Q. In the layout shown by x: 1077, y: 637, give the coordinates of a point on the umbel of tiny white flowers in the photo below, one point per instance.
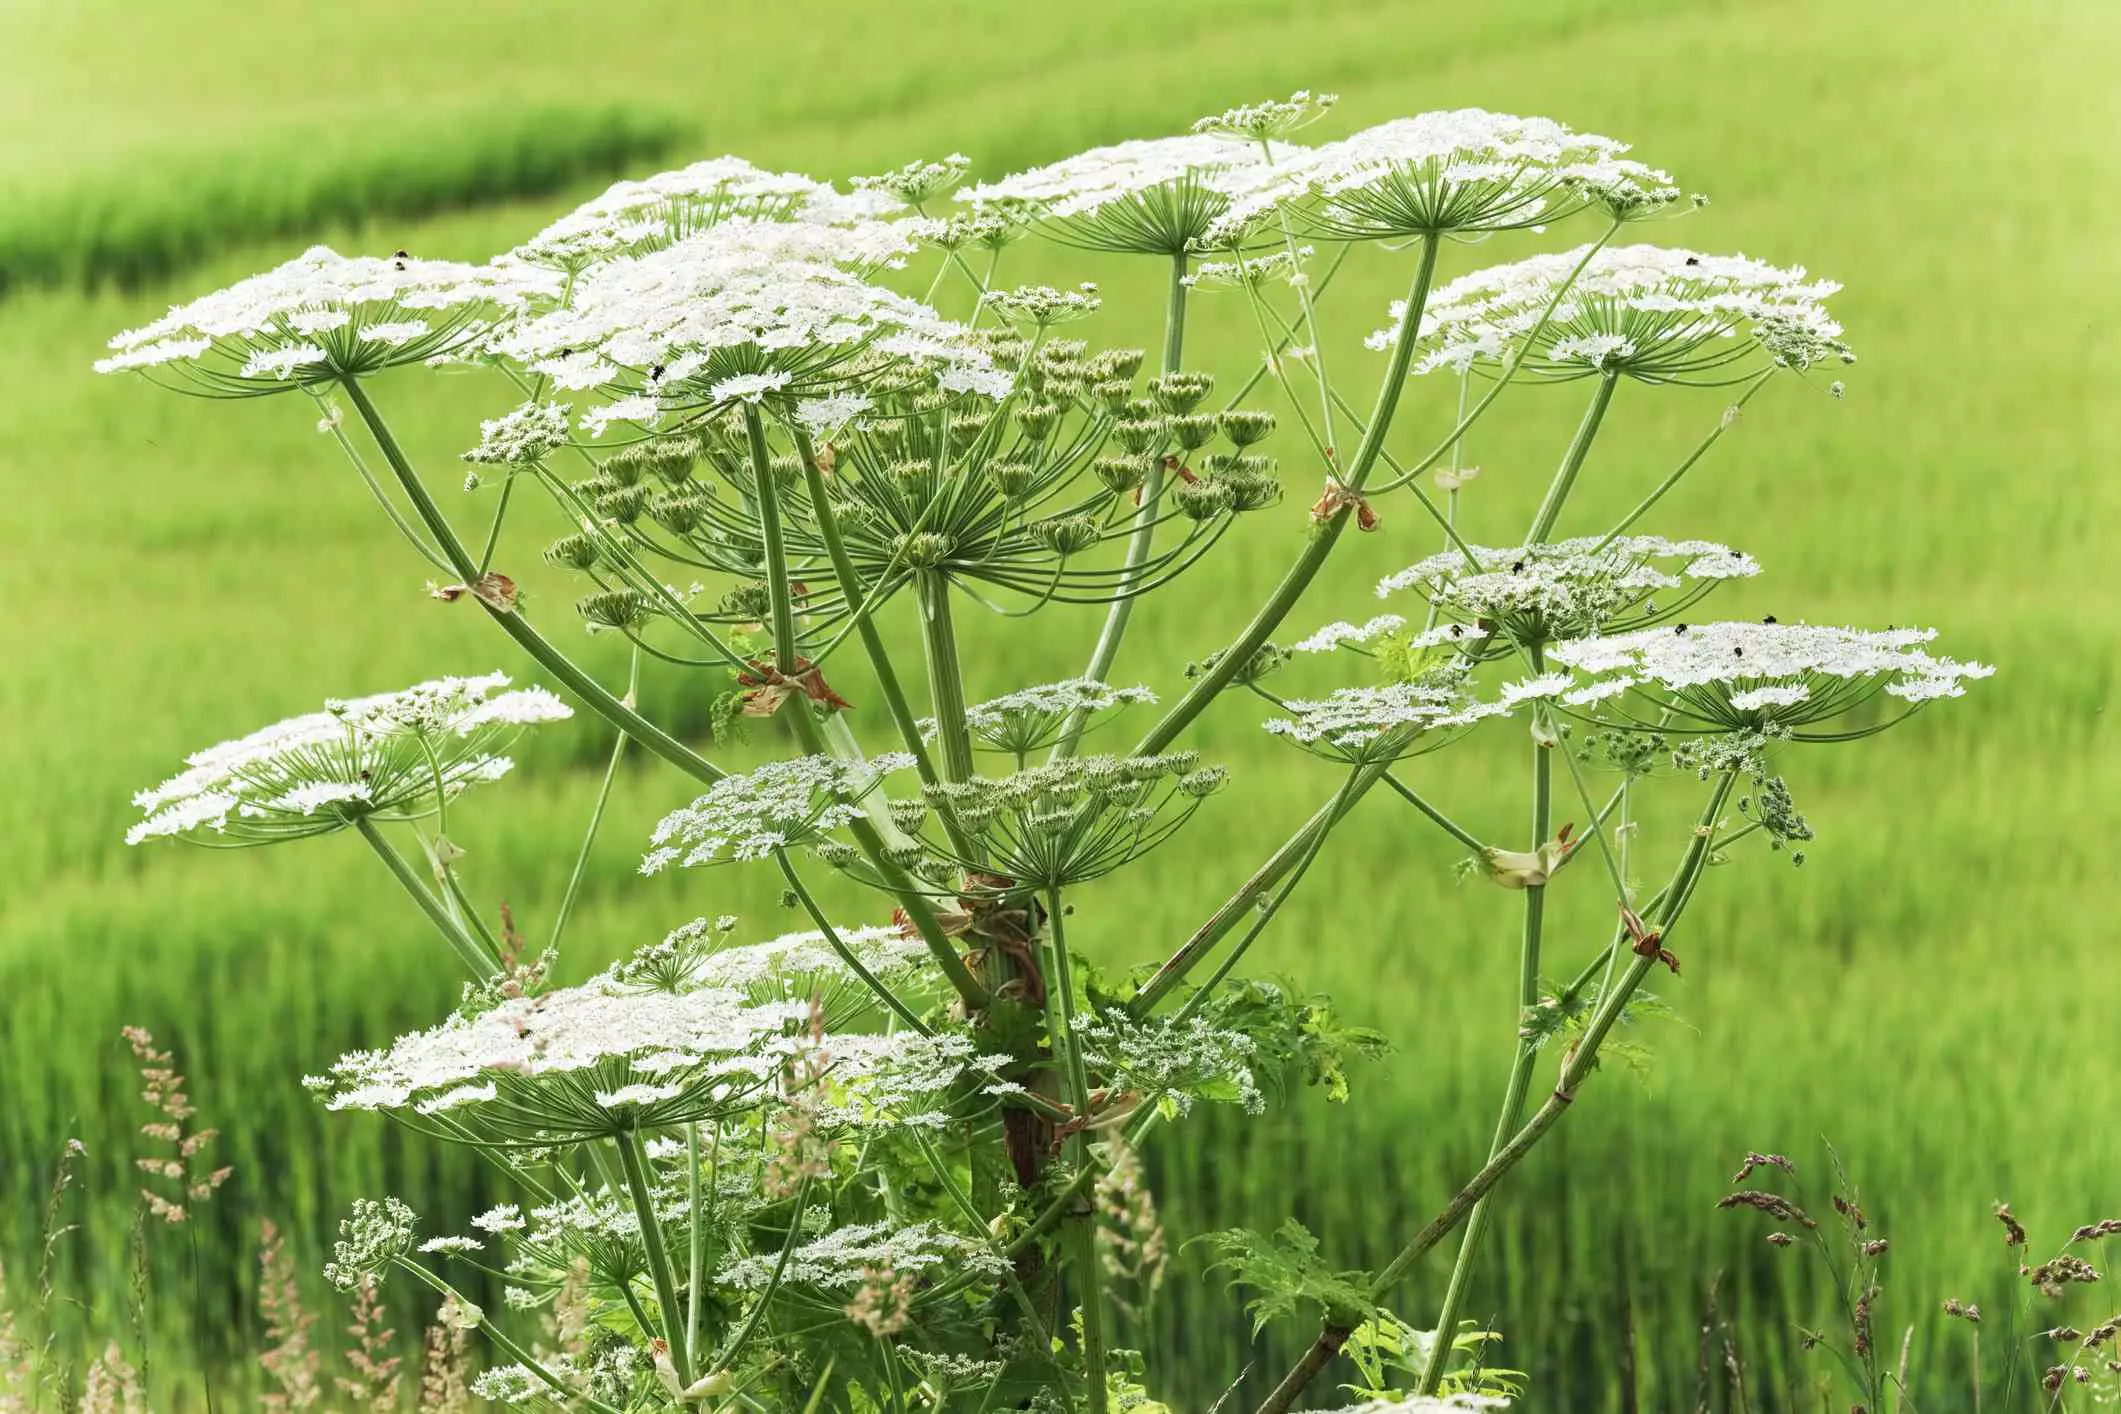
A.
x: 779, y: 805
x: 322, y: 318
x: 575, y: 1063
x: 1533, y: 594
x: 844, y: 1257
x: 1068, y: 822
x: 1787, y: 681
x: 391, y: 756
x: 1459, y: 172
x: 635, y: 217
x: 1171, y: 1061
x: 1651, y: 313
x: 1033, y: 718
x: 1153, y: 196
x: 741, y: 310
x: 1360, y: 726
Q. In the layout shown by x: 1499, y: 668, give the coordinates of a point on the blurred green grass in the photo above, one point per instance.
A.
x: 1933, y: 991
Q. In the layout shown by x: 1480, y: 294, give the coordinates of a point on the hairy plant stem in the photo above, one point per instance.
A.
x: 1521, y: 1065
x: 1082, y: 1243
x: 1572, y: 461
x: 1323, y: 535
x: 659, y: 1268
x: 1143, y: 533
x: 782, y: 613
x: 1576, y: 1068
x: 481, y: 963
x: 512, y: 622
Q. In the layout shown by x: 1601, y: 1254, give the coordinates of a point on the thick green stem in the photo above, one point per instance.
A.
x: 1323, y: 536
x: 856, y: 596
x: 1060, y: 1013
x: 481, y: 963
x: 806, y: 728
x: 946, y: 684
x: 1521, y: 1064
x: 512, y: 623
x: 1576, y: 1068
x: 696, y: 1232
x: 1572, y: 461
x: 780, y: 599
x: 1139, y: 539
x: 659, y: 1268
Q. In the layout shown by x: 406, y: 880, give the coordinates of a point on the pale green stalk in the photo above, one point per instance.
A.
x: 569, y: 1396
x: 846, y: 954
x: 481, y: 963
x: 512, y: 621
x: 1572, y: 461
x: 596, y: 813
x: 946, y: 685
x: 1060, y: 1013
x: 1576, y: 1068
x: 1521, y: 1066
x: 806, y: 728
x: 1723, y: 424
x: 1323, y: 536
x: 852, y: 590
x: 1139, y: 539
x: 658, y: 1252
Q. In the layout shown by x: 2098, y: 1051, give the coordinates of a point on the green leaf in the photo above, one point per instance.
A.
x: 1287, y: 1273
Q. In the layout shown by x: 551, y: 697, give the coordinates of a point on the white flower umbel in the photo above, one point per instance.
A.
x: 1032, y: 718
x: 1460, y: 171
x: 1652, y: 313
x: 1463, y: 1403
x: 1171, y: 1061
x: 386, y: 756
x: 634, y: 217
x: 323, y: 317
x: 792, y: 967
x: 780, y: 804
x: 1780, y: 680
x: 1041, y: 307
x: 1569, y: 588
x: 669, y: 331
x: 1364, y: 725
x: 844, y: 1257
x: 576, y: 1062
x: 1271, y: 119
x: 1152, y: 195
x: 522, y: 436
x: 918, y: 182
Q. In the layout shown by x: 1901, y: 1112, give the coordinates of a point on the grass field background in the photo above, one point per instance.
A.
x: 1934, y: 991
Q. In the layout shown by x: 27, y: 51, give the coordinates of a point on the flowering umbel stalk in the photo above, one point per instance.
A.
x: 859, y: 1165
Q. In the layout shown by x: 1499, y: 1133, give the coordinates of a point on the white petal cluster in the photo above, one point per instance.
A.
x: 1568, y: 588
x: 1378, y: 723
x: 781, y: 803
x: 1494, y: 170
x: 901, y: 1078
x: 1168, y: 1059
x: 520, y: 436
x: 802, y: 960
x: 845, y: 1256
x: 659, y: 1034
x: 326, y: 313
x: 663, y: 330
x: 316, y: 773
x: 635, y: 216
x: 1088, y: 182
x: 1759, y: 675
x: 1656, y: 311
x: 1343, y: 634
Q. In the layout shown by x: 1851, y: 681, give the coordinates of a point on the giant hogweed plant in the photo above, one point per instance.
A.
x: 859, y: 1167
